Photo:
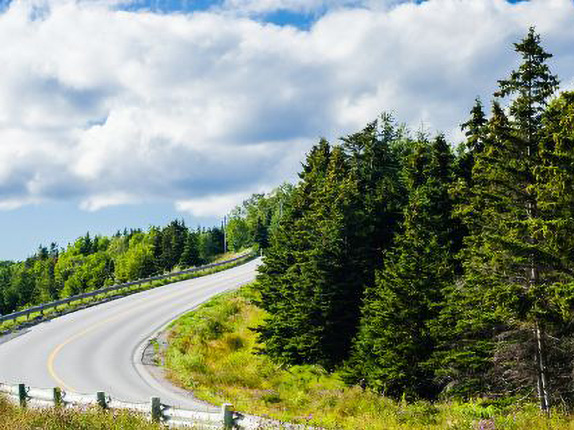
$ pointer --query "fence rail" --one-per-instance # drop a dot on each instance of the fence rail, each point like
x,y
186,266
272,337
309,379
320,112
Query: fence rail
x,y
157,411
114,288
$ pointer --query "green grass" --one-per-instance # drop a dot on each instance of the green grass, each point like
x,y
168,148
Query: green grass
x,y
212,351
14,418
72,306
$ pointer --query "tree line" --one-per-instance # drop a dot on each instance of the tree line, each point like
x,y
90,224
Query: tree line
x,y
253,222
90,263
422,271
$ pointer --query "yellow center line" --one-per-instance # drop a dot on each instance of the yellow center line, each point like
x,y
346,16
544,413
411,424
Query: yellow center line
x,y
54,354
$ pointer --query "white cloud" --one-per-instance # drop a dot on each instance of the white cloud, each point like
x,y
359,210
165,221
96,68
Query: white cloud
x,y
108,107
99,201
211,206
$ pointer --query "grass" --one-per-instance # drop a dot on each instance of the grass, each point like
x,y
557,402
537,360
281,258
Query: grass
x,y
36,317
14,418
213,351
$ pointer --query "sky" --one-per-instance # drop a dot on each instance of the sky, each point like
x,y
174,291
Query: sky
x,y
131,113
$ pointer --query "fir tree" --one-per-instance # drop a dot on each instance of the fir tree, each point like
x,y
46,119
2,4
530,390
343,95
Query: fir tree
x,y
474,130
395,339
190,255
285,279
509,263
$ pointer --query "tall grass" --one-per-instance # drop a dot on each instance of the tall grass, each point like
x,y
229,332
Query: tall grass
x,y
14,418
213,351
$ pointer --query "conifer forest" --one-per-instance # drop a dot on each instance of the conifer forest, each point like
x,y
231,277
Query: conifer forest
x,y
426,272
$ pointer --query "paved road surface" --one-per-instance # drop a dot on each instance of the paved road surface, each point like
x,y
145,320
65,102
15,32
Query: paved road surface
x,y
96,349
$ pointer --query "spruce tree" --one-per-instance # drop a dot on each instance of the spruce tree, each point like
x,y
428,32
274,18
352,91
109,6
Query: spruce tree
x,y
190,254
510,263
285,278
474,130
339,217
395,339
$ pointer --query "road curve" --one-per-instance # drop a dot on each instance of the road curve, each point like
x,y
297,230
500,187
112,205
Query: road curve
x,y
95,349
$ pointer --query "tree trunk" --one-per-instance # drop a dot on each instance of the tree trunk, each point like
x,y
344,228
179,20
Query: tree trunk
x,y
541,375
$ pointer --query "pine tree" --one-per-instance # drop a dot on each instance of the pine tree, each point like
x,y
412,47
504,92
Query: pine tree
x,y
395,339
509,261
374,161
285,279
190,255
474,131
261,234
338,214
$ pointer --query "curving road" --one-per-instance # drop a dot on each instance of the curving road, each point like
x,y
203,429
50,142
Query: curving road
x,y
98,348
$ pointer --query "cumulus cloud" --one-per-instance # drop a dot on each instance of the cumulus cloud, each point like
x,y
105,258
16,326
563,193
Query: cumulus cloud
x,y
106,107
210,206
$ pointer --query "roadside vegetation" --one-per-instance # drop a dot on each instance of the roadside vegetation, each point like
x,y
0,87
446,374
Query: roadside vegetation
x,y
214,352
407,283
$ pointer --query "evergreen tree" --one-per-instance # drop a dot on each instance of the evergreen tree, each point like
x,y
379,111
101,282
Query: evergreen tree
x,y
337,258
285,279
474,131
396,339
190,255
261,234
373,158
510,262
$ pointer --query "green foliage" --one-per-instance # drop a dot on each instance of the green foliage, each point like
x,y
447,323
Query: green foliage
x,y
254,221
397,336
221,363
136,263
322,256
238,234
92,263
518,252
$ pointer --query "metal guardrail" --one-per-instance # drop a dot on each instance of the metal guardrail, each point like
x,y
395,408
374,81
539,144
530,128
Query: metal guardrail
x,y
175,417
41,308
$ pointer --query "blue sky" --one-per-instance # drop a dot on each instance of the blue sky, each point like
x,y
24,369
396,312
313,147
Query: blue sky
x,y
121,113
300,19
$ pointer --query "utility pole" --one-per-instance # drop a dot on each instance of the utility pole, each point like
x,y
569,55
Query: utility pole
x,y
224,234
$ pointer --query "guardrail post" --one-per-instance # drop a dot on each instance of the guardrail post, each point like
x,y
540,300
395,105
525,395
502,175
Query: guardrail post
x,y
227,411
101,399
23,395
57,395
155,409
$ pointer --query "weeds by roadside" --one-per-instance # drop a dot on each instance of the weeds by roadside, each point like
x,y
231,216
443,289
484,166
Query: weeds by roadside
x,y
213,351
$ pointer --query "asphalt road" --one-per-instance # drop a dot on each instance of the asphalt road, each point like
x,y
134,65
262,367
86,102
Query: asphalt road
x,y
98,348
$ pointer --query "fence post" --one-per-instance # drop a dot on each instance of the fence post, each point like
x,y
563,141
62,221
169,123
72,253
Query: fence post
x,y
101,399
227,410
57,396
23,395
155,409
